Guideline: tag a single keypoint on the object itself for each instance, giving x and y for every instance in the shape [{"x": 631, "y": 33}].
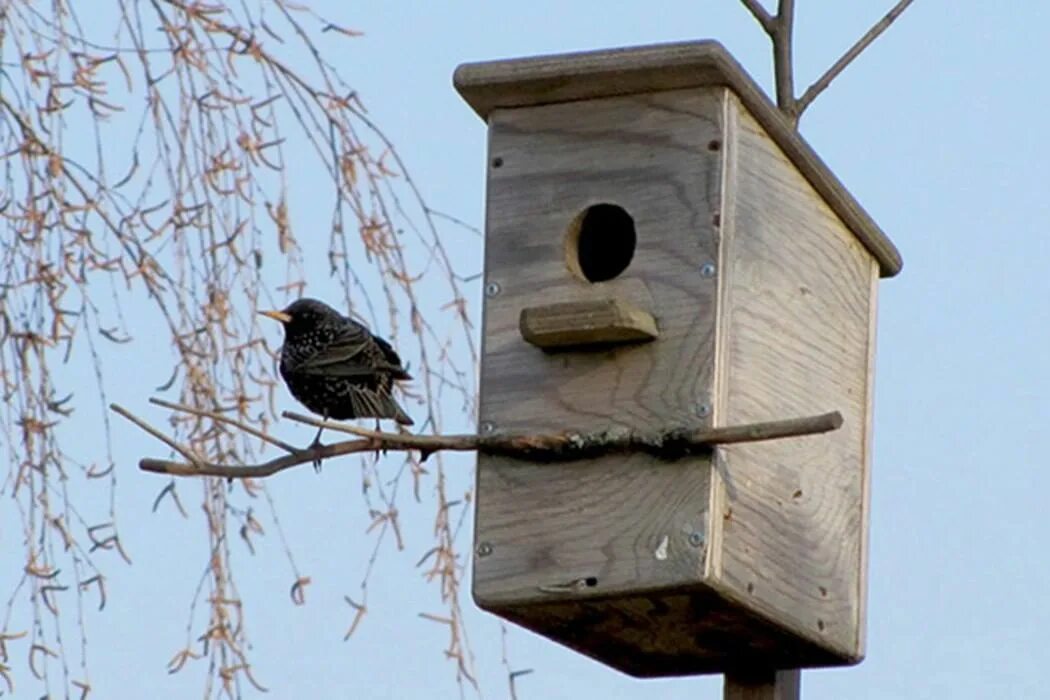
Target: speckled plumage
[{"x": 335, "y": 366}]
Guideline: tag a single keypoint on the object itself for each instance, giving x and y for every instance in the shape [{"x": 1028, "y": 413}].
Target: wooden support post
[{"x": 766, "y": 685}]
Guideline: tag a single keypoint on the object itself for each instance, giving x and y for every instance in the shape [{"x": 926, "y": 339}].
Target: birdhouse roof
[{"x": 587, "y": 75}]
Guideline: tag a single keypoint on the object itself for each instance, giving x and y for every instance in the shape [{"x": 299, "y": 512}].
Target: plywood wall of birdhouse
[
  {"x": 798, "y": 303},
  {"x": 622, "y": 522}
]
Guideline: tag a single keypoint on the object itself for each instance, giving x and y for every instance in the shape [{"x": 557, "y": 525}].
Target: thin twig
[
  {"x": 822, "y": 83},
  {"x": 760, "y": 14},
  {"x": 215, "y": 415},
  {"x": 194, "y": 460},
  {"x": 564, "y": 446},
  {"x": 329, "y": 425}
]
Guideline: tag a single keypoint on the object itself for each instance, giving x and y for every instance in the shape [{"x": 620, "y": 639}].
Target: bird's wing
[
  {"x": 392, "y": 359},
  {"x": 354, "y": 352}
]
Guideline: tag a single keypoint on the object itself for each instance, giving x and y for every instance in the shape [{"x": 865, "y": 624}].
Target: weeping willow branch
[{"x": 555, "y": 447}]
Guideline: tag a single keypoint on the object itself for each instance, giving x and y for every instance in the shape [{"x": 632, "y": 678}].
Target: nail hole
[
  {"x": 820, "y": 625},
  {"x": 600, "y": 243},
  {"x": 750, "y": 588},
  {"x": 497, "y": 162},
  {"x": 590, "y": 581},
  {"x": 714, "y": 145}
]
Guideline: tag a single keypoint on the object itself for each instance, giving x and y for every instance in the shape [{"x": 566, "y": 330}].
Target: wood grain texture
[
  {"x": 770, "y": 685},
  {"x": 667, "y": 633},
  {"x": 586, "y": 324},
  {"x": 526, "y": 82},
  {"x": 626, "y": 521},
  {"x": 798, "y": 321}
]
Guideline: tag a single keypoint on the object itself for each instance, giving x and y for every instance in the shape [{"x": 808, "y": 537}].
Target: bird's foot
[
  {"x": 379, "y": 430},
  {"x": 317, "y": 459},
  {"x": 315, "y": 445}
]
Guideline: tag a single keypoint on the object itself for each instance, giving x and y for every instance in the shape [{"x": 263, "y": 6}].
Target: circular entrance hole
[{"x": 600, "y": 242}]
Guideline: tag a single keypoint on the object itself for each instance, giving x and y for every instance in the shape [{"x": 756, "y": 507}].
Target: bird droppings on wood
[{"x": 661, "y": 549}]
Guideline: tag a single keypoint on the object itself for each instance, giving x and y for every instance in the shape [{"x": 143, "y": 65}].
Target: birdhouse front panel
[{"x": 578, "y": 190}]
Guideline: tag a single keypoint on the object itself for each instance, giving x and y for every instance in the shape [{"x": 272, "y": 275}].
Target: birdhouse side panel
[
  {"x": 624, "y": 521},
  {"x": 799, "y": 295}
]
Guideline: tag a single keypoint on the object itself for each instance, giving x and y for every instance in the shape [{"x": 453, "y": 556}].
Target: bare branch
[
  {"x": 780, "y": 27},
  {"x": 783, "y": 63},
  {"x": 822, "y": 83},
  {"x": 760, "y": 14},
  {"x": 170, "y": 442},
  {"x": 215, "y": 415},
  {"x": 563, "y": 446}
]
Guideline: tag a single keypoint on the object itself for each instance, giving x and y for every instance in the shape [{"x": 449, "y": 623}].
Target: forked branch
[
  {"x": 760, "y": 13},
  {"x": 780, "y": 29},
  {"x": 564, "y": 446}
]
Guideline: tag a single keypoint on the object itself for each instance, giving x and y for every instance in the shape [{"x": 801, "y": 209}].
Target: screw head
[
  {"x": 492, "y": 289},
  {"x": 707, "y": 270},
  {"x": 703, "y": 410},
  {"x": 484, "y": 549},
  {"x": 487, "y": 427},
  {"x": 696, "y": 539}
]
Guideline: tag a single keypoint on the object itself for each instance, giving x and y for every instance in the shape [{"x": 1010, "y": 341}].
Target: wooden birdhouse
[{"x": 663, "y": 250}]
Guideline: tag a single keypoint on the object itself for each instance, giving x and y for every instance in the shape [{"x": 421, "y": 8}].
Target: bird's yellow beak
[{"x": 277, "y": 316}]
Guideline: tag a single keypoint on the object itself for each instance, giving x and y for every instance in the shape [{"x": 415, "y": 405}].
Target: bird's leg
[
  {"x": 317, "y": 443},
  {"x": 378, "y": 451}
]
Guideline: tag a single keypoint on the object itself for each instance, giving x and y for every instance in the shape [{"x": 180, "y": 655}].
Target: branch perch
[{"x": 556, "y": 447}]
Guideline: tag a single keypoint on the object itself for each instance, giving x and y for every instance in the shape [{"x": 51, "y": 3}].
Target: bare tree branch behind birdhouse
[
  {"x": 780, "y": 28},
  {"x": 150, "y": 206}
]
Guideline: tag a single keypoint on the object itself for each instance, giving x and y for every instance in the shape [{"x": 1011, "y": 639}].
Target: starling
[{"x": 335, "y": 366}]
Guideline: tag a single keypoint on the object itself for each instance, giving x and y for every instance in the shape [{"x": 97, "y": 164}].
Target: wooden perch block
[{"x": 586, "y": 323}]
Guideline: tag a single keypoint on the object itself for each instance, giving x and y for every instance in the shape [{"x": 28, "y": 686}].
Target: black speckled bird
[{"x": 335, "y": 367}]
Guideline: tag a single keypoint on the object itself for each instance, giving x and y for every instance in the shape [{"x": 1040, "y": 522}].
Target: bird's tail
[{"x": 378, "y": 404}]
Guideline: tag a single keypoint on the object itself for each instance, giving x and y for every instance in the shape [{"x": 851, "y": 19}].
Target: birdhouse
[{"x": 663, "y": 250}]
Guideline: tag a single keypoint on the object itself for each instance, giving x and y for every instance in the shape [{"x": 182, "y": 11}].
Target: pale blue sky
[{"x": 938, "y": 130}]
